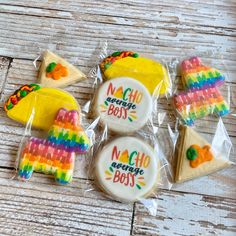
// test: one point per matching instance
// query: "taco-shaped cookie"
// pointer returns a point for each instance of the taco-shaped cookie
(57, 72)
(196, 157)
(37, 105)
(152, 74)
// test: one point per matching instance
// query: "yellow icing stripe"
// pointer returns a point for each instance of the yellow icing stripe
(141, 183)
(108, 173)
(133, 116)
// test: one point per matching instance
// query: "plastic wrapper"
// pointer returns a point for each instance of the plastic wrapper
(130, 168)
(197, 153)
(127, 87)
(128, 163)
(53, 136)
(202, 94)
(55, 71)
(204, 97)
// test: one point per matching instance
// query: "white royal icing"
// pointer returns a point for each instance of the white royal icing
(127, 169)
(124, 104)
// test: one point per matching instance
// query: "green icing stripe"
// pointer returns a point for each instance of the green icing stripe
(27, 167)
(138, 186)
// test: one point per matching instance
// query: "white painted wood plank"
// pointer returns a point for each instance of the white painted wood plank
(194, 10)
(170, 37)
(186, 214)
(4, 64)
(42, 207)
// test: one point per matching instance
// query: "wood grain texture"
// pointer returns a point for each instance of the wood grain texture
(40, 207)
(197, 217)
(73, 29)
(4, 64)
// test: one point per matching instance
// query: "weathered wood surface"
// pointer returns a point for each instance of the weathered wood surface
(4, 64)
(198, 209)
(41, 207)
(205, 206)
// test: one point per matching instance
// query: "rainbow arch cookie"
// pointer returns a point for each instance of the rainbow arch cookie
(55, 155)
(39, 105)
(153, 75)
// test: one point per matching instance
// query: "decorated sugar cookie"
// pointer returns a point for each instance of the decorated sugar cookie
(127, 169)
(32, 103)
(197, 104)
(202, 97)
(57, 72)
(151, 74)
(56, 154)
(196, 157)
(196, 75)
(123, 104)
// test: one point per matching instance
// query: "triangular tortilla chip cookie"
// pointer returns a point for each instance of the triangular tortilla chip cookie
(195, 157)
(57, 72)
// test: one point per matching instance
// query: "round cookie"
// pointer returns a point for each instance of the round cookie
(127, 169)
(153, 75)
(123, 104)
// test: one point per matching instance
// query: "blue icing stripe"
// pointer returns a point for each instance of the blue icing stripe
(202, 81)
(62, 181)
(25, 174)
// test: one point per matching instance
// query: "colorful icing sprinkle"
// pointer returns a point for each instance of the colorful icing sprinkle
(197, 155)
(19, 94)
(56, 71)
(55, 155)
(116, 56)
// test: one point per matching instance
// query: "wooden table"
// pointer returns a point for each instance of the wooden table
(73, 28)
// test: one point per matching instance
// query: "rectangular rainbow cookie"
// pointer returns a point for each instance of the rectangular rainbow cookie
(202, 96)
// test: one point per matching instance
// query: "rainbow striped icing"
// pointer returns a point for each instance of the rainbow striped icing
(196, 104)
(56, 154)
(202, 97)
(195, 75)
